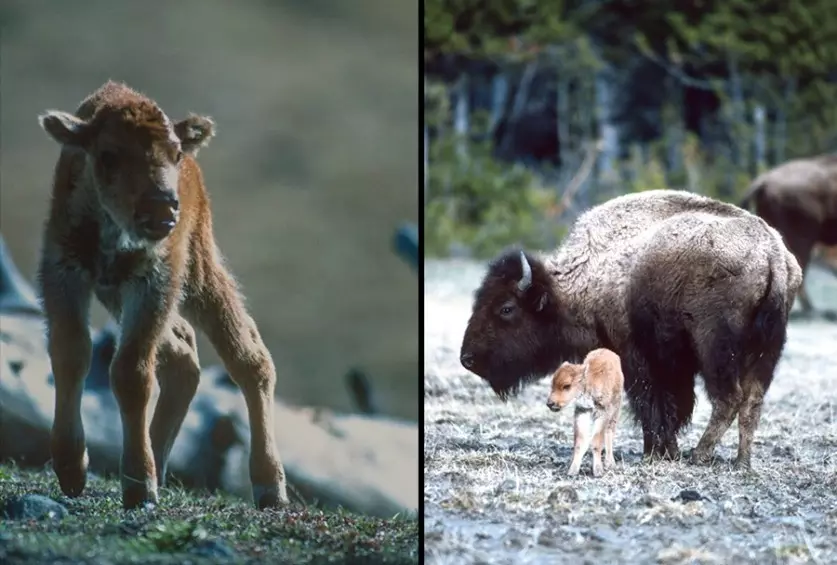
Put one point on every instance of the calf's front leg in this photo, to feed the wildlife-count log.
(145, 313)
(583, 435)
(66, 301)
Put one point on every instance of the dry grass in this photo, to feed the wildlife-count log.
(496, 490)
(315, 163)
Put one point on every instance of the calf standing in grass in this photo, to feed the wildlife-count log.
(130, 223)
(596, 388)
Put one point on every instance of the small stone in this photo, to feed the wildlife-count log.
(506, 486)
(212, 548)
(688, 495)
(563, 495)
(33, 507)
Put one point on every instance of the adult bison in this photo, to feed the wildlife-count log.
(799, 199)
(675, 283)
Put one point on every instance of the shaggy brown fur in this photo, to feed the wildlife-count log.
(675, 283)
(130, 223)
(596, 388)
(799, 199)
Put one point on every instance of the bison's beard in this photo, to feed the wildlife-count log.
(508, 383)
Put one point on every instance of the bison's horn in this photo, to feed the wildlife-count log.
(526, 279)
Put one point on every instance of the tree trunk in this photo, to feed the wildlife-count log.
(461, 115)
(607, 130)
(499, 95)
(759, 142)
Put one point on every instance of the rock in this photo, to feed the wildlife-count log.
(364, 463)
(33, 507)
(212, 548)
(563, 495)
(688, 495)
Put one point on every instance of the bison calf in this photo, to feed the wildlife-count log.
(596, 388)
(129, 222)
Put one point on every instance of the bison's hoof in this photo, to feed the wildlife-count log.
(274, 496)
(742, 464)
(139, 494)
(701, 457)
(72, 475)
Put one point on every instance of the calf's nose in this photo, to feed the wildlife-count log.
(166, 198)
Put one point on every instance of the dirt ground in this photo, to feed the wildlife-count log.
(496, 492)
(313, 167)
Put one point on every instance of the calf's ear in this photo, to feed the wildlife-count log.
(194, 132)
(65, 128)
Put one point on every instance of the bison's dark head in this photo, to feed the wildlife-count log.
(513, 324)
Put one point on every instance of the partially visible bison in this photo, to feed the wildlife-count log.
(799, 199)
(675, 283)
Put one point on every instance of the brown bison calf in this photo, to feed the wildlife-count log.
(130, 222)
(799, 199)
(596, 388)
(675, 283)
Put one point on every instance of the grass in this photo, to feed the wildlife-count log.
(190, 527)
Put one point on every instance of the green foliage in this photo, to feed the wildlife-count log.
(478, 202)
(485, 27)
(779, 56)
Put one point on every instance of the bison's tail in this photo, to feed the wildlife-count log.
(755, 187)
(770, 321)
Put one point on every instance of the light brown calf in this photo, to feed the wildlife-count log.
(596, 388)
(130, 223)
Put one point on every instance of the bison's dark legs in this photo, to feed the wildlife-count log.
(754, 386)
(801, 246)
(662, 401)
(723, 413)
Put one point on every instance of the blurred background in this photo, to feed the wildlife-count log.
(313, 168)
(537, 110)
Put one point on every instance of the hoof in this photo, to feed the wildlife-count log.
(701, 457)
(274, 496)
(138, 494)
(742, 464)
(72, 476)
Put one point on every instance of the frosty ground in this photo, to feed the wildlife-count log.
(496, 492)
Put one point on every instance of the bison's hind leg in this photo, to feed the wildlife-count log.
(754, 386)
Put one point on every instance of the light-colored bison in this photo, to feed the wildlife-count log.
(799, 199)
(675, 283)
(595, 388)
(130, 222)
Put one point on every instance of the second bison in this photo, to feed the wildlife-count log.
(675, 283)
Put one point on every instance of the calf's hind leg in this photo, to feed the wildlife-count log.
(66, 301)
(219, 312)
(178, 372)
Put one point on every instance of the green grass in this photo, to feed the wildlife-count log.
(97, 529)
